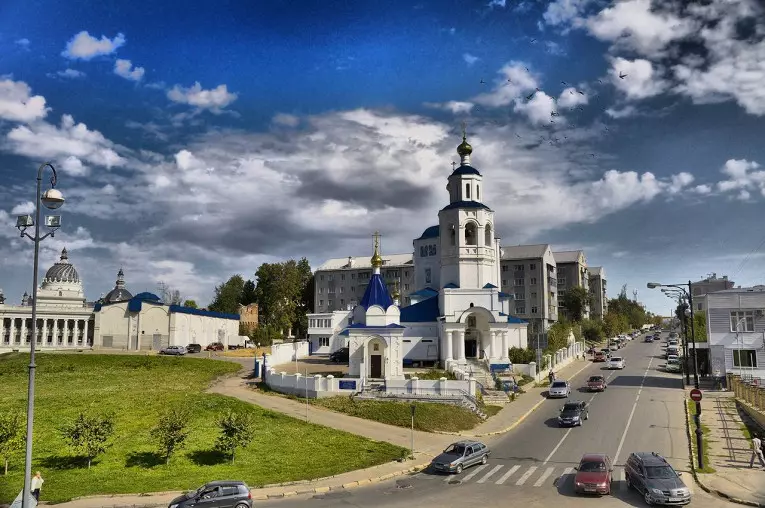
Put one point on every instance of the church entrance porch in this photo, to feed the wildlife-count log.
(375, 358)
(472, 343)
(375, 366)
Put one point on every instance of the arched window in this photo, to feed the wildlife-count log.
(470, 234)
(453, 233)
(487, 233)
(478, 192)
(467, 191)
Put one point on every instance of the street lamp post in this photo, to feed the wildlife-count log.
(683, 330)
(51, 199)
(697, 418)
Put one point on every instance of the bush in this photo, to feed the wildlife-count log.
(557, 337)
(88, 434)
(434, 375)
(520, 355)
(592, 330)
(171, 432)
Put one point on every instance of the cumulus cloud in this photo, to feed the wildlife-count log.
(642, 80)
(18, 104)
(623, 112)
(286, 120)
(84, 46)
(125, 69)
(24, 42)
(742, 176)
(563, 12)
(70, 74)
(213, 100)
(497, 3)
(571, 98)
(703, 189)
(679, 182)
(456, 107)
(74, 166)
(514, 79)
(469, 59)
(539, 109)
(23, 208)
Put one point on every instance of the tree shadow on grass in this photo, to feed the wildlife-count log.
(59, 462)
(144, 459)
(207, 457)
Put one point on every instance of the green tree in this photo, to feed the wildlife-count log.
(592, 330)
(228, 295)
(282, 295)
(171, 431)
(11, 435)
(575, 301)
(557, 336)
(89, 434)
(192, 304)
(248, 293)
(236, 431)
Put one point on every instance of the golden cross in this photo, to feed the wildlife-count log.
(464, 129)
(376, 236)
(453, 165)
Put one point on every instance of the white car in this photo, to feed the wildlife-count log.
(614, 346)
(616, 362)
(559, 388)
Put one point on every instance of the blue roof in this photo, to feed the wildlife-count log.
(426, 292)
(504, 295)
(513, 319)
(426, 311)
(465, 204)
(490, 286)
(451, 285)
(466, 170)
(199, 312)
(431, 232)
(376, 293)
(136, 303)
(344, 333)
(362, 325)
(147, 297)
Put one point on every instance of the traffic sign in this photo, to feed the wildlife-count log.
(696, 395)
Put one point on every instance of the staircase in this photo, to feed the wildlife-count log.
(481, 374)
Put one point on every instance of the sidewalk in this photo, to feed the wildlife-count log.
(729, 453)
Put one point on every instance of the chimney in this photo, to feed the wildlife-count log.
(350, 262)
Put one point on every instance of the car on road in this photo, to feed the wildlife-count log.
(673, 365)
(594, 474)
(173, 350)
(615, 362)
(650, 474)
(559, 388)
(218, 494)
(614, 346)
(342, 355)
(193, 348)
(648, 338)
(672, 351)
(457, 456)
(600, 356)
(215, 346)
(596, 384)
(573, 414)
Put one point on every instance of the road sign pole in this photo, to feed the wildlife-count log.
(413, 410)
(696, 396)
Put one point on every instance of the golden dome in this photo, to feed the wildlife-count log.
(377, 260)
(464, 148)
(396, 293)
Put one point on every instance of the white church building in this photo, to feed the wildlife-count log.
(458, 318)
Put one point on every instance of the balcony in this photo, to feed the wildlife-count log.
(552, 281)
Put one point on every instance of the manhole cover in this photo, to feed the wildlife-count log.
(403, 484)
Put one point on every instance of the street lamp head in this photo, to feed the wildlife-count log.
(52, 199)
(653, 285)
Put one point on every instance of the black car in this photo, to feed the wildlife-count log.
(573, 413)
(650, 474)
(219, 494)
(194, 348)
(342, 355)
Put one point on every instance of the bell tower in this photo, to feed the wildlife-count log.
(469, 248)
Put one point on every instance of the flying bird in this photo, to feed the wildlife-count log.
(483, 82)
(518, 136)
(622, 75)
(554, 113)
(592, 154)
(600, 81)
(533, 41)
(580, 108)
(580, 92)
(564, 83)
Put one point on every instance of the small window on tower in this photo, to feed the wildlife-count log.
(467, 191)
(470, 234)
(453, 233)
(478, 192)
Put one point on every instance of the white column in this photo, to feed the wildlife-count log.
(505, 345)
(449, 349)
(66, 332)
(492, 348)
(55, 331)
(23, 330)
(461, 346)
(85, 334)
(2, 329)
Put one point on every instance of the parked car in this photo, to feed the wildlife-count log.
(594, 474)
(614, 346)
(193, 348)
(650, 474)
(173, 350)
(648, 338)
(559, 388)
(219, 494)
(573, 414)
(215, 346)
(342, 355)
(606, 352)
(673, 365)
(457, 456)
(615, 362)
(596, 384)
(600, 356)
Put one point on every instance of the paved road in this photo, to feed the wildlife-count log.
(640, 411)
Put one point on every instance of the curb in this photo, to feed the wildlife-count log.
(695, 474)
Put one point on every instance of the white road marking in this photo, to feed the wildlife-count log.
(567, 471)
(504, 477)
(620, 477)
(526, 476)
(544, 477)
(557, 446)
(490, 473)
(475, 472)
(632, 413)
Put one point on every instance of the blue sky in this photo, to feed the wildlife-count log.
(195, 140)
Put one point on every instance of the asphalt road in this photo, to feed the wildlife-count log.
(640, 411)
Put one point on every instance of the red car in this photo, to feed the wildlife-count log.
(600, 356)
(215, 346)
(596, 384)
(594, 474)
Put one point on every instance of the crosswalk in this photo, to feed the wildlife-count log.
(522, 475)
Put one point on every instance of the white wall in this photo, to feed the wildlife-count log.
(188, 329)
(414, 348)
(288, 352)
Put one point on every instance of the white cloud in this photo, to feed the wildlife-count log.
(18, 104)
(69, 139)
(24, 43)
(84, 46)
(71, 74)
(214, 99)
(23, 208)
(470, 59)
(286, 120)
(625, 112)
(74, 166)
(513, 80)
(456, 107)
(703, 189)
(125, 69)
(633, 24)
(185, 160)
(743, 176)
(571, 98)
(641, 81)
(562, 12)
(497, 3)
(679, 182)
(539, 109)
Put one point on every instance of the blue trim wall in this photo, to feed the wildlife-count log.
(207, 313)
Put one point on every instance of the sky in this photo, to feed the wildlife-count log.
(195, 140)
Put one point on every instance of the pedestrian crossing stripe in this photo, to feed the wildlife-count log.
(526, 475)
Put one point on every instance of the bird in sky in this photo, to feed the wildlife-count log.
(592, 154)
(607, 129)
(571, 92)
(580, 108)
(564, 83)
(580, 92)
(600, 81)
(622, 75)
(533, 41)
(483, 82)
(518, 136)
(531, 96)
(554, 113)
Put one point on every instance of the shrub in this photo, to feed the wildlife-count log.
(236, 431)
(88, 434)
(171, 432)
(521, 355)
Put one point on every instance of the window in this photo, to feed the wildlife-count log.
(427, 276)
(742, 321)
(532, 266)
(520, 296)
(518, 268)
(431, 250)
(353, 289)
(329, 303)
(321, 290)
(467, 190)
(504, 282)
(504, 268)
(533, 296)
(342, 277)
(406, 273)
(478, 192)
(423, 251)
(453, 233)
(471, 321)
(406, 287)
(353, 276)
(321, 277)
(330, 277)
(561, 281)
(519, 282)
(488, 240)
(534, 309)
(745, 358)
(698, 306)
(533, 280)
(341, 289)
(321, 302)
(520, 310)
(342, 302)
(470, 234)
(323, 341)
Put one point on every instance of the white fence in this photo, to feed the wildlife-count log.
(443, 387)
(287, 352)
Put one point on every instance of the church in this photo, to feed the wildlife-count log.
(458, 318)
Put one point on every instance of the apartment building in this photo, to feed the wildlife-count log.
(340, 283)
(711, 284)
(572, 271)
(528, 273)
(597, 281)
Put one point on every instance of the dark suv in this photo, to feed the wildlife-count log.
(193, 348)
(651, 475)
(220, 494)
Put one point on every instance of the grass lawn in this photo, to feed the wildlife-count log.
(704, 444)
(136, 389)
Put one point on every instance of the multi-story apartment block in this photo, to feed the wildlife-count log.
(340, 283)
(708, 285)
(528, 273)
(597, 280)
(572, 272)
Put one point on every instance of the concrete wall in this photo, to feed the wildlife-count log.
(288, 352)
(317, 386)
